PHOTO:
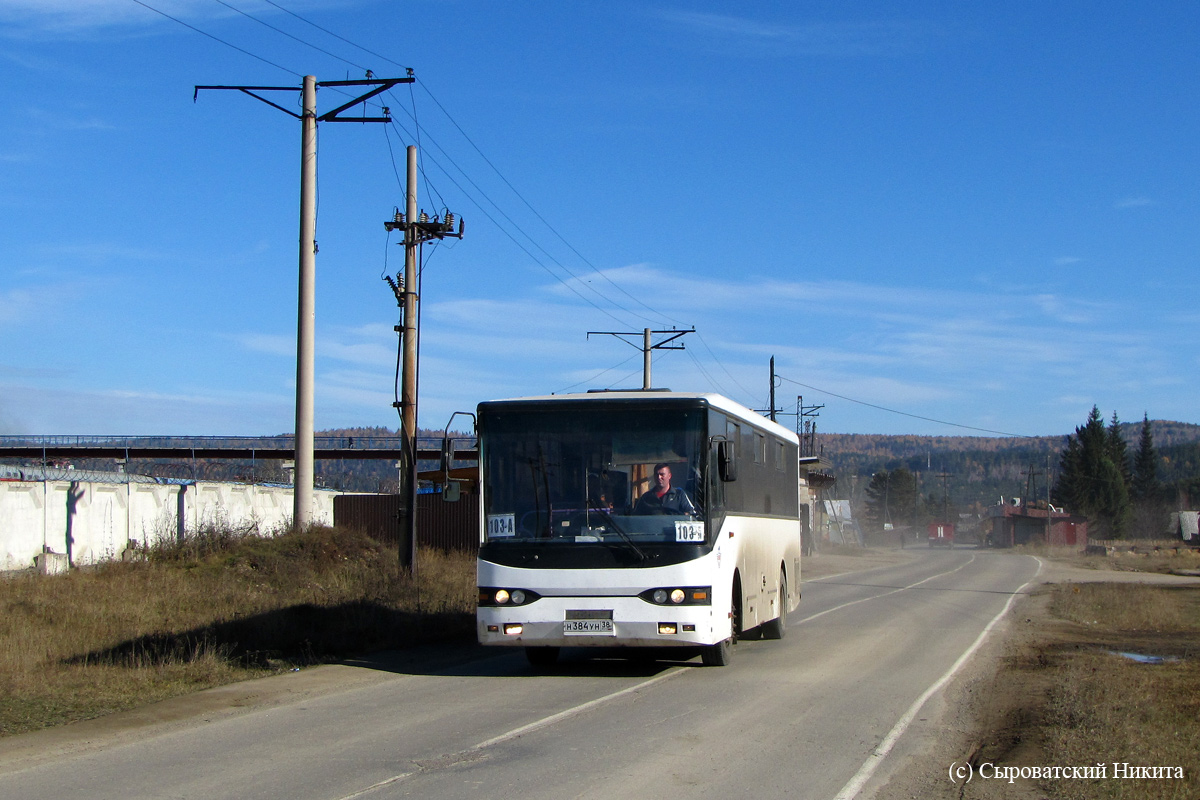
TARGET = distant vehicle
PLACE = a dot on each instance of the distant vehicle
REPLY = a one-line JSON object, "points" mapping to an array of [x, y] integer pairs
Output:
{"points": [[941, 534], [583, 546]]}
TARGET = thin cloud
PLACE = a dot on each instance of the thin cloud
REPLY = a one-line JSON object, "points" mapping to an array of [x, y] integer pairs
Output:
{"points": [[842, 39], [1133, 202]]}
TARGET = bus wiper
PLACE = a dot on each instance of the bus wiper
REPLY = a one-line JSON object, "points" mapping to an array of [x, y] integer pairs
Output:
{"points": [[625, 537]]}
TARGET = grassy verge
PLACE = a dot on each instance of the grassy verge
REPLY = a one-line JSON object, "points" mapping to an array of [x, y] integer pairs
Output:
{"points": [[1067, 697], [1181, 561], [1107, 708], [219, 607]]}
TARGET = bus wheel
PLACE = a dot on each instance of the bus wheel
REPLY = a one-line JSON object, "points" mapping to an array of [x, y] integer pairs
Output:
{"points": [[718, 655], [721, 653], [774, 629], [541, 656]]}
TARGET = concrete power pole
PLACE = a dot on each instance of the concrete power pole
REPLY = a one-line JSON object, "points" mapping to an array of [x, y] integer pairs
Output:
{"points": [[647, 347], [302, 506], [306, 318]]}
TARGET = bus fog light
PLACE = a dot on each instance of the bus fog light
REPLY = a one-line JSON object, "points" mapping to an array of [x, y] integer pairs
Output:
{"points": [[513, 630], [660, 596], [677, 596], [667, 628], [493, 628], [689, 628]]}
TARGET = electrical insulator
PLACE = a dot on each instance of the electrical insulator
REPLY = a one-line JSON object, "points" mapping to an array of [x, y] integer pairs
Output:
{"points": [[449, 221], [424, 217], [399, 217]]}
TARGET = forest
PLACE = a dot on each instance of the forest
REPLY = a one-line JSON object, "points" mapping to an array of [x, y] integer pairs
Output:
{"points": [[913, 479]]}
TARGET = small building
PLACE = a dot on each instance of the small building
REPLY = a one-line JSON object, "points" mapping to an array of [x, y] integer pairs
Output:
{"points": [[1013, 523]]}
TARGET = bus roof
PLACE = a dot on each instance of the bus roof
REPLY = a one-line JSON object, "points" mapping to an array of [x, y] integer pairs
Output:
{"points": [[712, 399]]}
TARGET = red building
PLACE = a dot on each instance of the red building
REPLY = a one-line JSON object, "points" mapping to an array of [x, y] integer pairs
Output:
{"points": [[1013, 523]]}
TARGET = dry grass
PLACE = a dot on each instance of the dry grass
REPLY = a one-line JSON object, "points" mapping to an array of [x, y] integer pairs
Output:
{"points": [[1167, 561], [220, 607], [1126, 607], [1105, 708]]}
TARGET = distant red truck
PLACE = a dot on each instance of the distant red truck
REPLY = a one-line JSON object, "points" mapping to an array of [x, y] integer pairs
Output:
{"points": [[941, 534]]}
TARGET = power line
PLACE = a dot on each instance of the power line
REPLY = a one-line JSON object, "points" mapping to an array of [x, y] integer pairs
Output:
{"points": [[482, 155], [217, 39], [334, 35], [418, 137], [483, 193], [906, 414], [292, 37], [543, 220]]}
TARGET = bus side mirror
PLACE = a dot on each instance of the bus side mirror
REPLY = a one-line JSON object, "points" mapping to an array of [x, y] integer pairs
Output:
{"points": [[726, 461], [452, 491], [447, 455]]}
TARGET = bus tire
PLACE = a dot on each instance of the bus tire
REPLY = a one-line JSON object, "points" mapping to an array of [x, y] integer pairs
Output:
{"points": [[721, 653], [717, 655], [774, 629], [541, 657]]}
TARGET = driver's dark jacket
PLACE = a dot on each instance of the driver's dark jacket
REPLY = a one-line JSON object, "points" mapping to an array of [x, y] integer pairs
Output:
{"points": [[674, 501]]}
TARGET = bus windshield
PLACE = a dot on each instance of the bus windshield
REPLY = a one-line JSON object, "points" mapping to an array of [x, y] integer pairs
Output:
{"points": [[571, 475]]}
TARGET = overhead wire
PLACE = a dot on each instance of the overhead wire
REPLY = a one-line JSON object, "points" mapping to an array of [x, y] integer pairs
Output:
{"points": [[578, 280], [549, 256], [486, 160], [597, 375], [290, 36], [217, 39], [520, 245], [905, 413]]}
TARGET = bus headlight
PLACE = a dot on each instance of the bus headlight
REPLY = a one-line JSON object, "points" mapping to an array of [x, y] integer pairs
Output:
{"points": [[679, 596], [492, 596]]}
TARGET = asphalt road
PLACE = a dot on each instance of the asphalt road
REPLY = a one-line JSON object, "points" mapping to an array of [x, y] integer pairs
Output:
{"points": [[821, 714]]}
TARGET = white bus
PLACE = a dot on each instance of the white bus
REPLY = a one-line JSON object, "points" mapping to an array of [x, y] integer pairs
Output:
{"points": [[582, 545]]}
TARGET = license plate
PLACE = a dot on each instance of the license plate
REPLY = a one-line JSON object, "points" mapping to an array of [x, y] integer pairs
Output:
{"points": [[584, 627]]}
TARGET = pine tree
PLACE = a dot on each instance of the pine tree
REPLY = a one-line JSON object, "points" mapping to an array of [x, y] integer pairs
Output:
{"points": [[1145, 485], [1118, 449], [1151, 514], [1093, 472]]}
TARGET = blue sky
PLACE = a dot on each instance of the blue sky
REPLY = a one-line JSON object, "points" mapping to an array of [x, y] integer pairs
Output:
{"points": [[984, 216]]}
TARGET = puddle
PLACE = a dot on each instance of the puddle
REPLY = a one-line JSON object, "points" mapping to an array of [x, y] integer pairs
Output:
{"points": [[1142, 658]]}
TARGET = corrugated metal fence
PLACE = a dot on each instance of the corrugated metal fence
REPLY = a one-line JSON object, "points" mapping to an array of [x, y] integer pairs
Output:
{"points": [[446, 526]]}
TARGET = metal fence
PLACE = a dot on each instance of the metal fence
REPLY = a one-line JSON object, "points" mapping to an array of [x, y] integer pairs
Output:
{"points": [[446, 526]]}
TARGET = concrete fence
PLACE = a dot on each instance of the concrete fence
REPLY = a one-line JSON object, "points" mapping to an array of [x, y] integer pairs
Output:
{"points": [[57, 523]]}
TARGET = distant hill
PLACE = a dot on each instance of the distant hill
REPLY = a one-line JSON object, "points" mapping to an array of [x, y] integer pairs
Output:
{"points": [[980, 470]]}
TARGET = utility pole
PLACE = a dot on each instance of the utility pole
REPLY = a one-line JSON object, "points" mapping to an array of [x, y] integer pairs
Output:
{"points": [[771, 402], [771, 410], [418, 228], [306, 311], [945, 476], [647, 345], [806, 426]]}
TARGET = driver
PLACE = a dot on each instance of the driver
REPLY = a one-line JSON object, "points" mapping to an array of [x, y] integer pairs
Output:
{"points": [[664, 498]]}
